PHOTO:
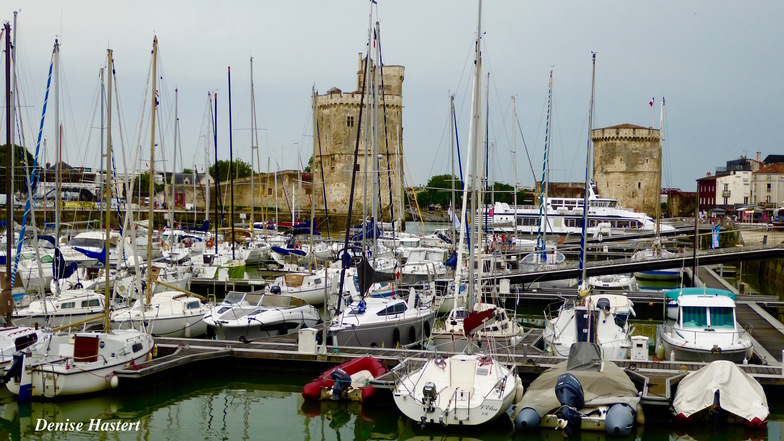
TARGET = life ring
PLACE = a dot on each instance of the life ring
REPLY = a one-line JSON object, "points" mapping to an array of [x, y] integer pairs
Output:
{"points": [[210, 242], [412, 334], [440, 362], [297, 246], [396, 338]]}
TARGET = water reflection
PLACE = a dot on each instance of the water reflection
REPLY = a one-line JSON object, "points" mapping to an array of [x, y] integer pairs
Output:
{"points": [[274, 409]]}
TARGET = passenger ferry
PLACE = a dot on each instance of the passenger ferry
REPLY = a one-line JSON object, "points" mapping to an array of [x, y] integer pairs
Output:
{"points": [[565, 216]]}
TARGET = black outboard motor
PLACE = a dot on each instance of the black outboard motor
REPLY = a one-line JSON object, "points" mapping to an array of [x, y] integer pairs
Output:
{"points": [[569, 392], [342, 383]]}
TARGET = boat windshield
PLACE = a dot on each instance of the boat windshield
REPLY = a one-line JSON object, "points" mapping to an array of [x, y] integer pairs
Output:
{"points": [[695, 317], [722, 317]]}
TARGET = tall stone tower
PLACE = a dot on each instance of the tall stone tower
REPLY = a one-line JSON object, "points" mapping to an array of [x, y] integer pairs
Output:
{"points": [[338, 127], [627, 165]]}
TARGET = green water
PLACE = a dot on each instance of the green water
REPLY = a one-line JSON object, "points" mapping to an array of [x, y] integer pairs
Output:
{"points": [[254, 409]]}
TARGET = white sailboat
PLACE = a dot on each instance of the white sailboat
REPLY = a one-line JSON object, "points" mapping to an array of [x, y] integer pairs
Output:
{"points": [[463, 389], [67, 364], [601, 318], [170, 313]]}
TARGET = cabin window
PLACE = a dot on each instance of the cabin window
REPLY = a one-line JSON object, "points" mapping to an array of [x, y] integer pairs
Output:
{"points": [[397, 308], [137, 347], [25, 341], [193, 305], [68, 305], [695, 317], [722, 317], [91, 302]]}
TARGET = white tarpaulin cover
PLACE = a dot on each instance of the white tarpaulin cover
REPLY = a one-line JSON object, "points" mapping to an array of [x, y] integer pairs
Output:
{"points": [[739, 392]]}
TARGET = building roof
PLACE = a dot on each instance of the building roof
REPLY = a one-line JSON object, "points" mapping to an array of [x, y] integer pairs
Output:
{"points": [[772, 159], [777, 167], [707, 178], [626, 126]]}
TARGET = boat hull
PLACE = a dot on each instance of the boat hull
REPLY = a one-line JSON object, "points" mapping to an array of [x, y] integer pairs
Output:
{"points": [[388, 334]]}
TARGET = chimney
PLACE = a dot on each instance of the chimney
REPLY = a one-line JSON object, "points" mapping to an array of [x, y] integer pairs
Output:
{"points": [[759, 156], [708, 175]]}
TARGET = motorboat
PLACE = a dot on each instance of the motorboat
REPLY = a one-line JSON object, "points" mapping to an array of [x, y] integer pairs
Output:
{"points": [[64, 364], [248, 316], [168, 314], [613, 283], [584, 392], [311, 287], [71, 306], [704, 329], [598, 318]]}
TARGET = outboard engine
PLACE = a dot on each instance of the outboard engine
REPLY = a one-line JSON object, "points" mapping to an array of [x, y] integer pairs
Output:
{"points": [[342, 383], [570, 394], [429, 394], [527, 419], [620, 419]]}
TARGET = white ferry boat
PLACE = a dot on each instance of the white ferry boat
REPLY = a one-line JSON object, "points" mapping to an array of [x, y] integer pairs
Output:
{"points": [[565, 216]]}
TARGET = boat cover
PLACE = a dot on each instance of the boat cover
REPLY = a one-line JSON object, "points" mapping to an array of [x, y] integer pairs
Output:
{"points": [[604, 383], [739, 392]]}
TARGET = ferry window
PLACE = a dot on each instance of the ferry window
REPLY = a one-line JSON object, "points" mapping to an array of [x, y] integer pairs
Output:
{"points": [[721, 318], [694, 316]]}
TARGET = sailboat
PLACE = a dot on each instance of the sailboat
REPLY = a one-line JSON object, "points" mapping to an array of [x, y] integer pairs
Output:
{"points": [[172, 313], [543, 259], [67, 364], [597, 318], [472, 388]]}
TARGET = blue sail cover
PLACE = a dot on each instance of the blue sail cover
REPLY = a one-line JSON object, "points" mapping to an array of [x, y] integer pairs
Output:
{"points": [[451, 261], [99, 255], [371, 231]]}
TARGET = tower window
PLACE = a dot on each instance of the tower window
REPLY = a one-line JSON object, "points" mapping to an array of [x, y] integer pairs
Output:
{"points": [[639, 185], [349, 121]]}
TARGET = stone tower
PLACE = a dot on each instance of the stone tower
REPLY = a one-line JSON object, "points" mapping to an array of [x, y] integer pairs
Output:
{"points": [[627, 165], [338, 121]]}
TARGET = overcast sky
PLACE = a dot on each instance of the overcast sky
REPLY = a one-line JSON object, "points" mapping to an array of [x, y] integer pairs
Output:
{"points": [[718, 63]]}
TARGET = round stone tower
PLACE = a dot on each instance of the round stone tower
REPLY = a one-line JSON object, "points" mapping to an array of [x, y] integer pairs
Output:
{"points": [[627, 165], [337, 125]]}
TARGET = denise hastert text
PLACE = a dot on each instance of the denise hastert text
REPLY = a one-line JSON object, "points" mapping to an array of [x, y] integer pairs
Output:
{"points": [[95, 425]]}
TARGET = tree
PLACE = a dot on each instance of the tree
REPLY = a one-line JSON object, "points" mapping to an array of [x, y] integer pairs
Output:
{"points": [[240, 169], [141, 186], [19, 173], [309, 166], [439, 191]]}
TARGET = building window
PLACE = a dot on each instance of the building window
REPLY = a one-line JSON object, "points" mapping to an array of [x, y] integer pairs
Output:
{"points": [[349, 121], [269, 191], [356, 167], [746, 200], [726, 187], [768, 187], [767, 199], [639, 184]]}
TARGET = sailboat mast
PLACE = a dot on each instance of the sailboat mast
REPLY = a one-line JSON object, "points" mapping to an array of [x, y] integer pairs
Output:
{"points": [[174, 165], [151, 188], [313, 180], [541, 239], [231, 170], [57, 145], [658, 175], [453, 202], [108, 192], [254, 145], [217, 168], [9, 230], [514, 163], [474, 136], [587, 181]]}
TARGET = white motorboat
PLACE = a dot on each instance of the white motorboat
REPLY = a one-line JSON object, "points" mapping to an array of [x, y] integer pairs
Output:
{"points": [[704, 329], [68, 307], [76, 364], [599, 318], [168, 314], [249, 316], [310, 287], [424, 264], [613, 283]]}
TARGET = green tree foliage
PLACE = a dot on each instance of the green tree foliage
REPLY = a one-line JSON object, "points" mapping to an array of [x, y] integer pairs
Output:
{"points": [[240, 169], [439, 191], [309, 166], [141, 186], [19, 173]]}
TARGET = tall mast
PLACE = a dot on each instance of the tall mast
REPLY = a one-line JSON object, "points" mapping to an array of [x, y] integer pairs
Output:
{"points": [[57, 145], [108, 195], [174, 165], [658, 174], [217, 168], [231, 170], [9, 206], [474, 135], [582, 286], [541, 239], [313, 176], [254, 145], [207, 162], [453, 202], [514, 163], [151, 188]]}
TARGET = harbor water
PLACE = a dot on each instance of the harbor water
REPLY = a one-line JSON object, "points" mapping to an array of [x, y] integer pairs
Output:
{"points": [[268, 405]]}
